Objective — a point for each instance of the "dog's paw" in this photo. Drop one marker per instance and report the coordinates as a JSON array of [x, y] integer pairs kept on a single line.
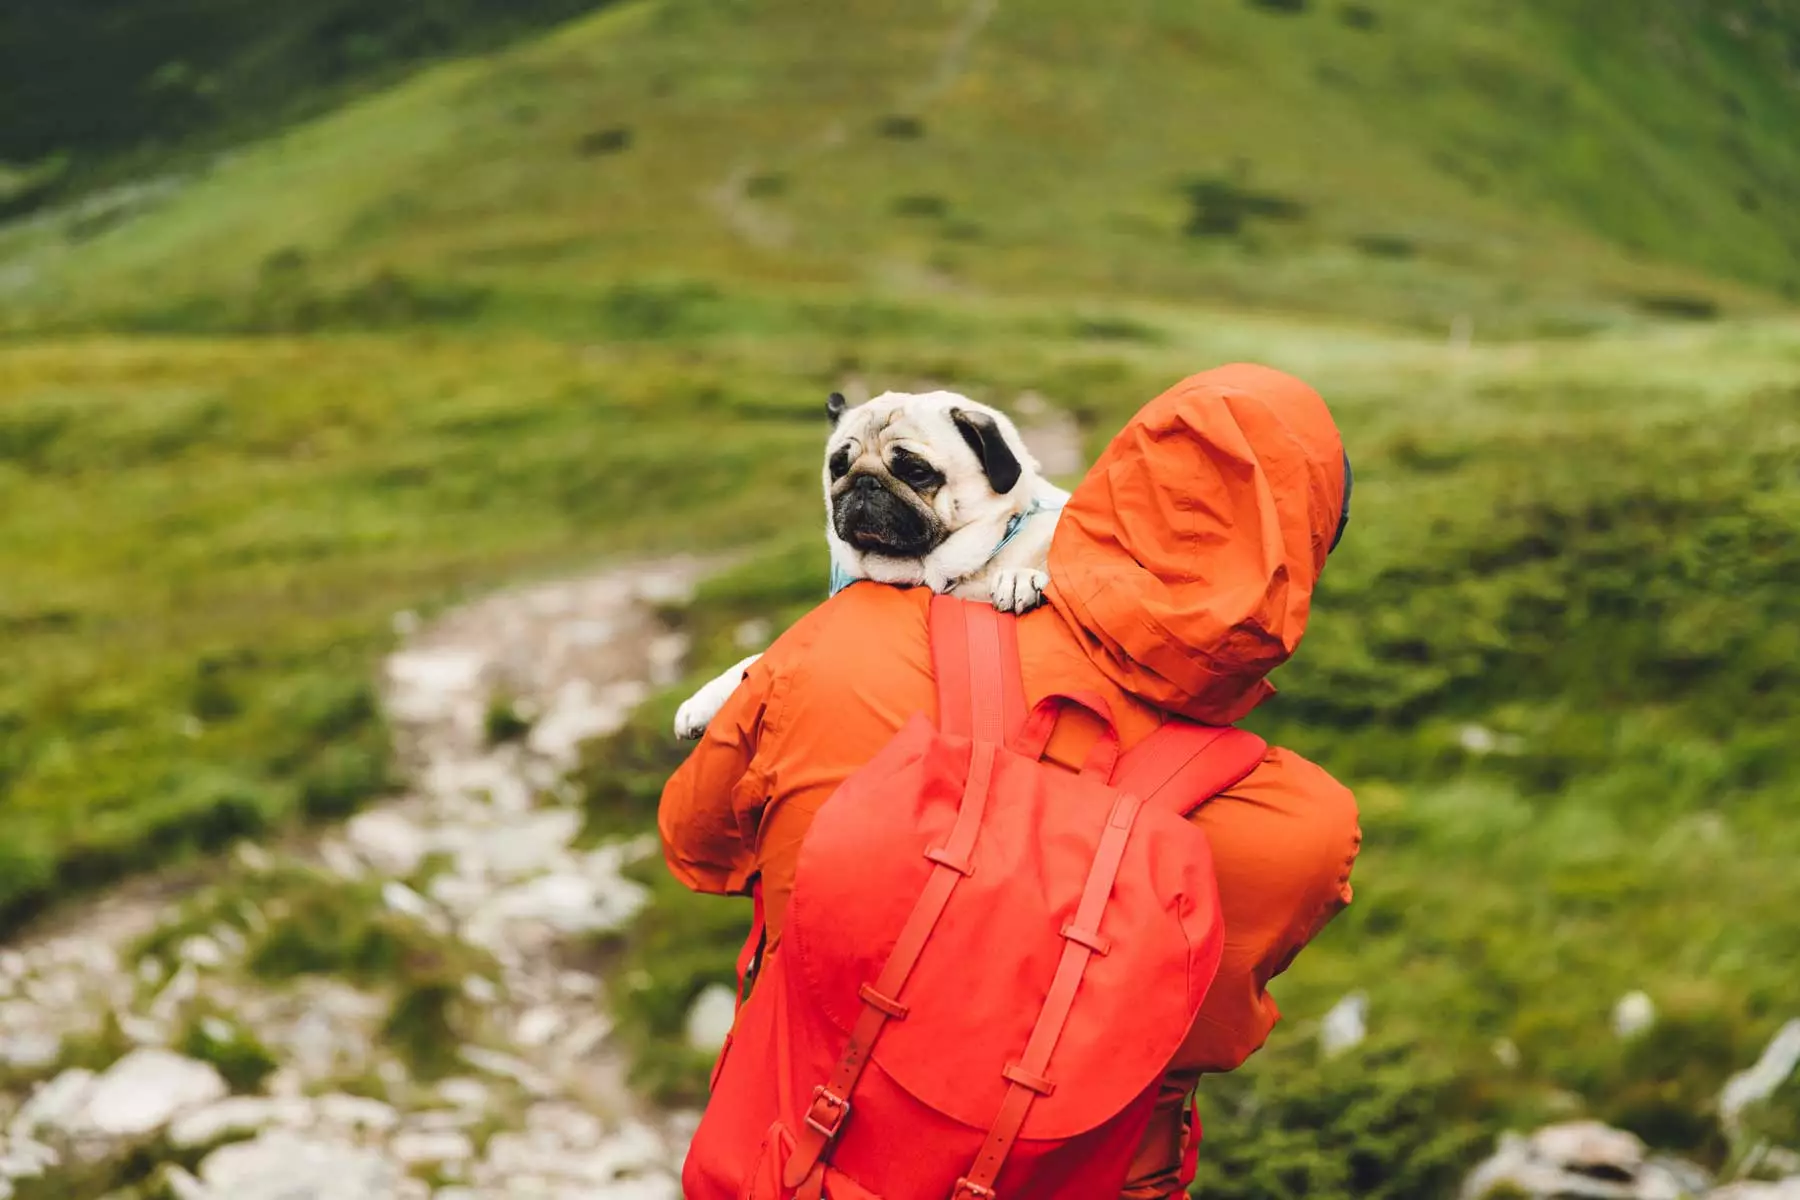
[[698, 710], [1019, 591]]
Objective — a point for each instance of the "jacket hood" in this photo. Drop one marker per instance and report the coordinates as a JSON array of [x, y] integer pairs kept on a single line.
[[1187, 557]]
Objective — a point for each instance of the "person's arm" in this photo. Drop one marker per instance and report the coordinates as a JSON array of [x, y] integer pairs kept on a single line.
[[1284, 840], [709, 808], [1156, 1170]]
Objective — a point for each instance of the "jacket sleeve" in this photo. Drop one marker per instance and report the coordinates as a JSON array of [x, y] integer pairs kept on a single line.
[[1156, 1170], [710, 807]]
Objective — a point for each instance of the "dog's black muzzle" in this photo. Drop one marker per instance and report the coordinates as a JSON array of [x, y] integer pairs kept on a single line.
[[872, 519]]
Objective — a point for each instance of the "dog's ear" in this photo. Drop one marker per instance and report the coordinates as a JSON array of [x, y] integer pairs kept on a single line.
[[989, 444], [834, 408]]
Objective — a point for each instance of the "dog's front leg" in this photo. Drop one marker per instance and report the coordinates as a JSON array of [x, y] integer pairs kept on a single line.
[[698, 710]]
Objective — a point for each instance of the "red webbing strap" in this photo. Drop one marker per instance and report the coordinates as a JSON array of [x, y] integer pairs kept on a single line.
[[953, 860], [1184, 765], [975, 660], [1082, 940], [753, 942], [1190, 1144]]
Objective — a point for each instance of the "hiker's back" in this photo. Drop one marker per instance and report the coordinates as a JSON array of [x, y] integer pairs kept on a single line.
[[969, 928], [856, 669]]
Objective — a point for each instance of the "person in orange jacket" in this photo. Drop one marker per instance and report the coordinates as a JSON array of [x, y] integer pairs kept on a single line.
[[1182, 573]]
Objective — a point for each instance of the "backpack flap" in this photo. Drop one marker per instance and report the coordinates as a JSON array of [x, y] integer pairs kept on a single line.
[[973, 1000]]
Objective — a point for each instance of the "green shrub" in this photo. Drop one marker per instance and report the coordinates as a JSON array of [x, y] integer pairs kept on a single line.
[[243, 1060], [1388, 1121]]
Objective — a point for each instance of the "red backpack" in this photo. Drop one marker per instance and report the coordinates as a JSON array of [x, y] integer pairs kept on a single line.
[[989, 961]]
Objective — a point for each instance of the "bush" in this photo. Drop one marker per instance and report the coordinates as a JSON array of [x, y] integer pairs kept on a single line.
[[1388, 1121]]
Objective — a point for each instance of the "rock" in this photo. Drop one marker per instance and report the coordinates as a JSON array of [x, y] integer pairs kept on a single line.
[[202, 952], [464, 1093], [281, 1165], [1746, 1088], [538, 1026], [55, 1105], [507, 1067], [31, 1050], [402, 899], [387, 841], [1590, 1148], [710, 1018], [355, 1112], [143, 1091], [1346, 1025], [1634, 1014], [567, 903], [237, 1115], [426, 685], [563, 1126], [22, 1158], [420, 1148], [1581, 1160]]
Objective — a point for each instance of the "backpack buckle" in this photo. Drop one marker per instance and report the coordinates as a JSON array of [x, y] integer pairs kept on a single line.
[[964, 1190], [835, 1108]]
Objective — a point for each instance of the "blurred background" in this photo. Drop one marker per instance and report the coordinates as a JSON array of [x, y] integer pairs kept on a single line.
[[330, 330]]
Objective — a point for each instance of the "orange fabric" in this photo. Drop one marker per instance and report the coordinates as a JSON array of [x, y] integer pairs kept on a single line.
[[1186, 559], [1181, 573]]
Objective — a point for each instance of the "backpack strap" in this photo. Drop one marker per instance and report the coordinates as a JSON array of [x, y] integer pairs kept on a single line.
[[975, 659], [1183, 764]]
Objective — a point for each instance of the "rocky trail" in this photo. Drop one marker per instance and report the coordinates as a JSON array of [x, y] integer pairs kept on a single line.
[[478, 857]]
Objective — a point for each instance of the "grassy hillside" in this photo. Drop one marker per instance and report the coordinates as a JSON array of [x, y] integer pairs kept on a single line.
[[97, 89], [579, 299], [1536, 168]]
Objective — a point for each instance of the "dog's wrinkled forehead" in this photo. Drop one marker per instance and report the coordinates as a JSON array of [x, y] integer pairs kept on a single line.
[[921, 421]]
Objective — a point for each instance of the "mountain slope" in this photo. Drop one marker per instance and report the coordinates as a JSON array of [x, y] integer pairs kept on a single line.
[[1386, 161]]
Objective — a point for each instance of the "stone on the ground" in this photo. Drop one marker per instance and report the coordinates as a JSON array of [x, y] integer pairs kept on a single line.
[[22, 1158], [237, 1115], [1581, 1160], [710, 1018], [417, 1148], [387, 841], [1346, 1025], [1634, 1014], [1775, 1067], [55, 1106], [464, 1092], [356, 1112], [202, 952], [29, 1050], [144, 1091], [282, 1165]]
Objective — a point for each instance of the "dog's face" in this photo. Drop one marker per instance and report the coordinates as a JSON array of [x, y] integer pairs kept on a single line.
[[905, 471]]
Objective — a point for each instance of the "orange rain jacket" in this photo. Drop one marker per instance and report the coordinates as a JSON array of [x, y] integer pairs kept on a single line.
[[1181, 573]]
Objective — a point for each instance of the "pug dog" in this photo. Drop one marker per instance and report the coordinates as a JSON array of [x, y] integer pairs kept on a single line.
[[928, 489]]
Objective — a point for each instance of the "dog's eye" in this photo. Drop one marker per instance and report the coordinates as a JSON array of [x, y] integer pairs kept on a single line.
[[914, 471], [840, 463]]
